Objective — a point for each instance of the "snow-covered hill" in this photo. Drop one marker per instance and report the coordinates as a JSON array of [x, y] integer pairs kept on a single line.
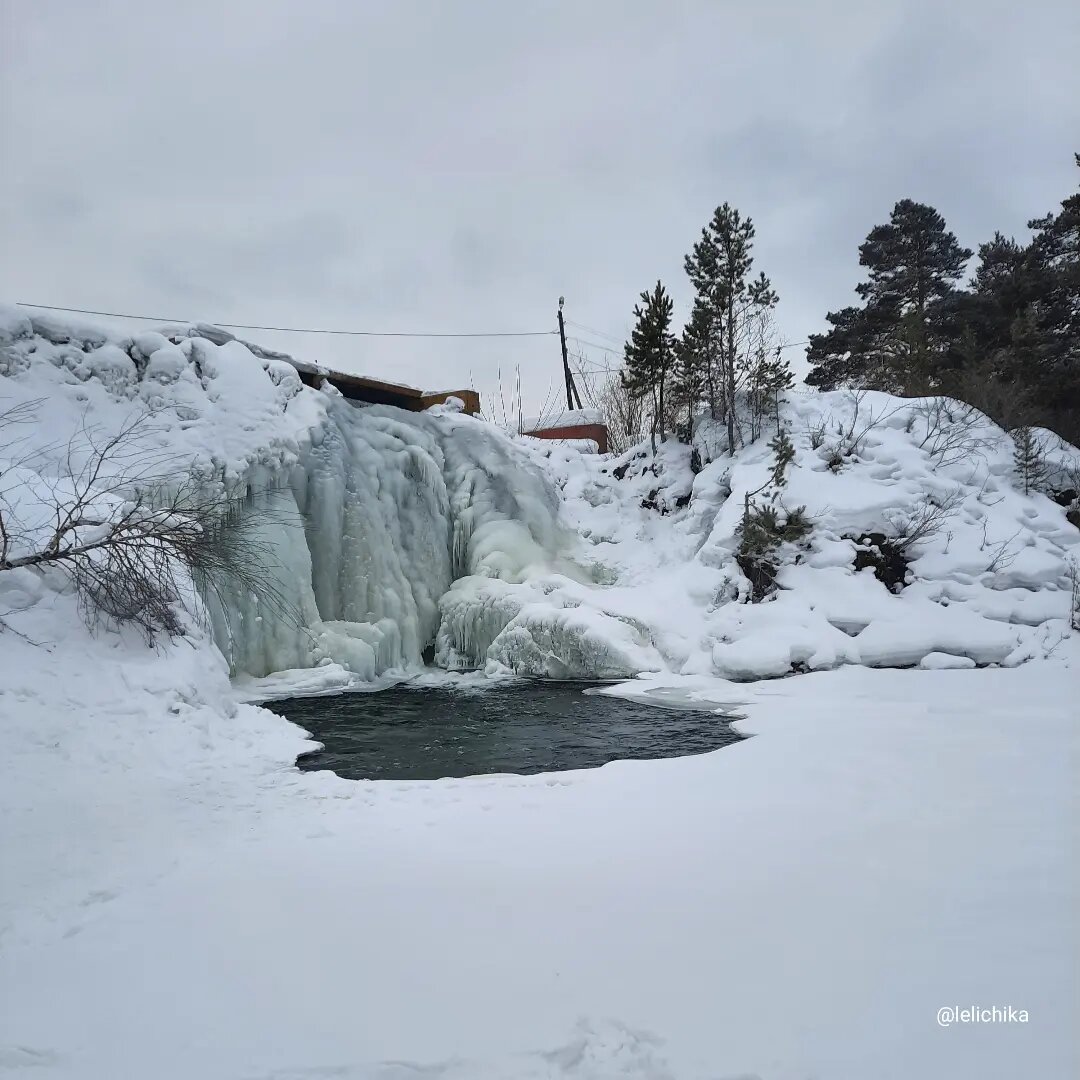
[[981, 573], [398, 535]]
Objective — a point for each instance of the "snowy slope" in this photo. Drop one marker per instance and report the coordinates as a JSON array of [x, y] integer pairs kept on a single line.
[[177, 900], [989, 583]]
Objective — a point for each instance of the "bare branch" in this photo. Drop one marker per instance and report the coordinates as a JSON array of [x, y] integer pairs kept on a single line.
[[130, 546]]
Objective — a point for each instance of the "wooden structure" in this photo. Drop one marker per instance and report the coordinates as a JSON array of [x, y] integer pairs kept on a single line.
[[597, 432], [377, 392]]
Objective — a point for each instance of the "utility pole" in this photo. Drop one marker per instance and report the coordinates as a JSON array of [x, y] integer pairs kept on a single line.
[[571, 389]]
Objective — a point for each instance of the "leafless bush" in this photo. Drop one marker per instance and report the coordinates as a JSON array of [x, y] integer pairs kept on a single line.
[[109, 514], [816, 433], [1008, 404], [926, 520], [849, 435], [950, 430], [628, 417]]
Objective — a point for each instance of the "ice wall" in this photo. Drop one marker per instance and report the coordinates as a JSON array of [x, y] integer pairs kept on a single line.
[[382, 513], [390, 534]]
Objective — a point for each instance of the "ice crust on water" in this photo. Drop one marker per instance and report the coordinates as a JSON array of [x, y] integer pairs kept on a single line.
[[401, 537]]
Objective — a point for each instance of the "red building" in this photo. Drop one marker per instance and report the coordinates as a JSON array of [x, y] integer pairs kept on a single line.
[[578, 424]]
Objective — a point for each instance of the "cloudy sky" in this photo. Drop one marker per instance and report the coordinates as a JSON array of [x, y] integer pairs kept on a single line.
[[456, 166]]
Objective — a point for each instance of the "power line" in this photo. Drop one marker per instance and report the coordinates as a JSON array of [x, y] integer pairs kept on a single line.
[[591, 330], [594, 345], [303, 330], [616, 352]]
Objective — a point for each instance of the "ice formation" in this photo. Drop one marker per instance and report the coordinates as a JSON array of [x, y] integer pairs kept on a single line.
[[401, 538], [371, 513]]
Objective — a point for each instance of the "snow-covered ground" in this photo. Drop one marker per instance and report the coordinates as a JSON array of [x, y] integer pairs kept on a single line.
[[178, 901]]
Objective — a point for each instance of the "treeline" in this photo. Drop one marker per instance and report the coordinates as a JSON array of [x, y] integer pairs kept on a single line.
[[1007, 343]]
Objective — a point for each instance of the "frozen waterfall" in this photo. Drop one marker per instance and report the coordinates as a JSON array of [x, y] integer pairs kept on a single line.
[[385, 511], [391, 538]]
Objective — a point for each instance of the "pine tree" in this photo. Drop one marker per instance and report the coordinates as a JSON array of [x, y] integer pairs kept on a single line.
[[784, 451], [1017, 332], [1028, 459], [650, 353], [719, 268], [898, 339], [1053, 342], [769, 376], [691, 375]]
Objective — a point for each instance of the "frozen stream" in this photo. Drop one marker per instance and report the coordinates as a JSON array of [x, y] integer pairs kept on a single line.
[[413, 733]]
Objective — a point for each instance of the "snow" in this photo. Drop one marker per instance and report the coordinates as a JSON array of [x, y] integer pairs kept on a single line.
[[989, 584], [394, 533], [562, 419], [178, 900], [182, 902]]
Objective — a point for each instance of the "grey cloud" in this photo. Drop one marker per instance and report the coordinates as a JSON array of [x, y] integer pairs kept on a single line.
[[459, 166]]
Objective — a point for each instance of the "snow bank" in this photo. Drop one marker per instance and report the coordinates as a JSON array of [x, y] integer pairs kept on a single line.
[[179, 901]]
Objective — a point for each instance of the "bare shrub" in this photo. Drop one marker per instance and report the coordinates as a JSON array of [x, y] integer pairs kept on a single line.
[[1002, 552], [113, 519], [816, 433], [951, 430], [849, 435], [1008, 404], [628, 416], [925, 520]]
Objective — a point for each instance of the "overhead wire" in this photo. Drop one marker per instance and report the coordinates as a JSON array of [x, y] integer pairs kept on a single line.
[[304, 330], [593, 330]]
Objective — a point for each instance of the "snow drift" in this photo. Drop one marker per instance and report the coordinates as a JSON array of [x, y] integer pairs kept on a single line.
[[402, 538]]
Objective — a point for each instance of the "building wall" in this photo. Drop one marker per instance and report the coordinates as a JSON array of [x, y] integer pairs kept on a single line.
[[597, 432]]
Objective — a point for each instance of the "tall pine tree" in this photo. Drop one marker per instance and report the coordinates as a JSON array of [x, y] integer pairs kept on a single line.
[[1054, 316], [1017, 336], [730, 301], [899, 339], [650, 354]]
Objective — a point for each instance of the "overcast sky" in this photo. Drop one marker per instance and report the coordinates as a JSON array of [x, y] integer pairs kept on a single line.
[[416, 165]]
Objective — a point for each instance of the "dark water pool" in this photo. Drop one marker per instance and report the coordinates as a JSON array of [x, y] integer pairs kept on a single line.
[[423, 733]]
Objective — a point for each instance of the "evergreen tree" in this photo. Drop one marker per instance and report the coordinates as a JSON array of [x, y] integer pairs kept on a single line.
[[650, 353], [769, 376], [1028, 459], [1053, 331], [784, 451], [719, 268], [689, 375], [899, 339], [1017, 334]]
